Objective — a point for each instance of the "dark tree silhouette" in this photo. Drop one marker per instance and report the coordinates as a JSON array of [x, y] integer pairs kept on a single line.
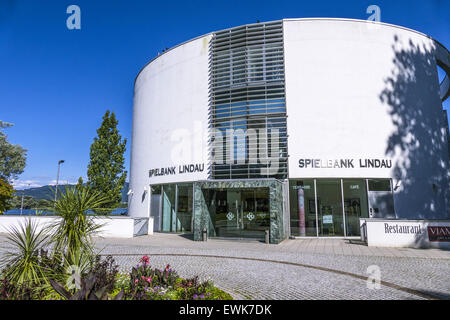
[[419, 141]]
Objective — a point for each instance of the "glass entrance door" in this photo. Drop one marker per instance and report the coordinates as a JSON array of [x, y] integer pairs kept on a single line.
[[240, 213], [255, 213]]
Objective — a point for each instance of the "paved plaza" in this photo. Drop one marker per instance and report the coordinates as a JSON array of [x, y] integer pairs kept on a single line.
[[294, 269]]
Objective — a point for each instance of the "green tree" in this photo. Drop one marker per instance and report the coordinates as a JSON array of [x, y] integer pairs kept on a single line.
[[12, 156], [6, 193], [12, 163], [106, 172]]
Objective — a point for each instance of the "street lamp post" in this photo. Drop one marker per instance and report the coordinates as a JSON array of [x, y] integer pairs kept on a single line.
[[21, 203], [57, 178]]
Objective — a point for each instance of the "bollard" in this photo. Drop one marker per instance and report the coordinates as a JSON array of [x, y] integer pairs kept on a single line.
[[267, 236], [204, 235]]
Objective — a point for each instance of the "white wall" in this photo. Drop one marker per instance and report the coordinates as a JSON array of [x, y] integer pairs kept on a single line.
[[170, 119], [337, 87], [113, 227], [412, 234]]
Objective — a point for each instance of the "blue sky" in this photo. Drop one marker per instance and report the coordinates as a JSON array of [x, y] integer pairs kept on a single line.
[[56, 83]]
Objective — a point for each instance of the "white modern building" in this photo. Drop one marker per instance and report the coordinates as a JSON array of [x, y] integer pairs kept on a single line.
[[302, 127]]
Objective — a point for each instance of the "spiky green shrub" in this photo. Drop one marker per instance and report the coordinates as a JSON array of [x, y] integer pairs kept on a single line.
[[21, 264], [73, 232]]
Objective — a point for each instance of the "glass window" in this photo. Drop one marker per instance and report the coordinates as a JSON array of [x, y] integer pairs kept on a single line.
[[379, 185], [184, 210], [177, 203], [168, 208], [156, 189], [381, 200], [302, 208], [355, 204], [329, 203]]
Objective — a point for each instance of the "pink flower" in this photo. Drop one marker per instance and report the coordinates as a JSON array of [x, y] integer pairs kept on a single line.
[[149, 279], [167, 267], [145, 260], [136, 281]]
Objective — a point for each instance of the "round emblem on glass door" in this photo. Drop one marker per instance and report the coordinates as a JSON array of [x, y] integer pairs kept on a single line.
[[230, 216], [250, 216]]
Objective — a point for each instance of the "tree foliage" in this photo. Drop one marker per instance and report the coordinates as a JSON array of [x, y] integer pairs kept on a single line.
[[6, 193], [12, 156], [29, 202], [106, 172], [12, 163]]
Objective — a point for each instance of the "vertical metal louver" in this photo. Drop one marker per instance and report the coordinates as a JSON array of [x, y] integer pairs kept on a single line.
[[247, 100]]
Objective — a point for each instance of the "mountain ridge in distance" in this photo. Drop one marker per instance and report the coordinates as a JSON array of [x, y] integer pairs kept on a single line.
[[47, 192]]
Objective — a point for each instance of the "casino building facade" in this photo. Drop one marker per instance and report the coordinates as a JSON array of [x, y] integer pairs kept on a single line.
[[301, 127]]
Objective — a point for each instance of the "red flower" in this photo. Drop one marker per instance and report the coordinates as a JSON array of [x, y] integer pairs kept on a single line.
[[145, 260]]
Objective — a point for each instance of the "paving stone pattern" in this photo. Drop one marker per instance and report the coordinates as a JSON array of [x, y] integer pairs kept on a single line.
[[423, 270]]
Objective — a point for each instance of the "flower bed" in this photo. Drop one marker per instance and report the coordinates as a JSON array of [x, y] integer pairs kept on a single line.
[[104, 282], [60, 262], [147, 283]]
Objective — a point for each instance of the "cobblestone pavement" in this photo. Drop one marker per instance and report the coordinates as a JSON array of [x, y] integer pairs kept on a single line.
[[298, 268]]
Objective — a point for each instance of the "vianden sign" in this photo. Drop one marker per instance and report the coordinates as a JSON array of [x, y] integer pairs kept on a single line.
[[439, 233], [187, 168]]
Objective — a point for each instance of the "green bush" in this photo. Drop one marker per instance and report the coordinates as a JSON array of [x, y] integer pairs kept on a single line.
[[22, 291], [73, 271], [22, 264]]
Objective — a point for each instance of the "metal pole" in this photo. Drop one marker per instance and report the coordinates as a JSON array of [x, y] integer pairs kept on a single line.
[[316, 208], [343, 208], [21, 205], [57, 178], [176, 209]]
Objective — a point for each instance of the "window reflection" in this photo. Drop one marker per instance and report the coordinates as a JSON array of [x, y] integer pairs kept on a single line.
[[177, 203], [302, 207], [330, 200], [355, 203]]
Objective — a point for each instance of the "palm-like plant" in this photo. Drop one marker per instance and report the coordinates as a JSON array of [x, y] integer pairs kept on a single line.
[[73, 231], [22, 264]]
